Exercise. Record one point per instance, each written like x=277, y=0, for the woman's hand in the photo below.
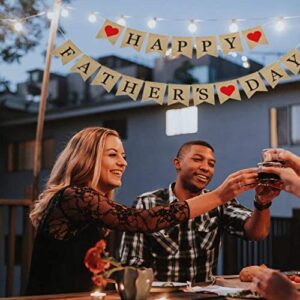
x=289, y=179
x=272, y=285
x=237, y=183
x=289, y=159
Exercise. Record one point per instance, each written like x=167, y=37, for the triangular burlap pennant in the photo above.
x=67, y=52
x=107, y=78
x=129, y=86
x=154, y=91
x=292, y=61
x=228, y=90
x=110, y=31
x=255, y=36
x=206, y=46
x=273, y=74
x=157, y=43
x=182, y=46
x=179, y=93
x=133, y=39
x=231, y=43
x=85, y=66
x=203, y=93
x=252, y=83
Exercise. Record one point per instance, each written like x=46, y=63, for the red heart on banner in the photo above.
x=110, y=31
x=254, y=36
x=227, y=90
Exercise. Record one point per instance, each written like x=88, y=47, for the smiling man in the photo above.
x=189, y=251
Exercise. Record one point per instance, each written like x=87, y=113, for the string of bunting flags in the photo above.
x=177, y=93
x=156, y=43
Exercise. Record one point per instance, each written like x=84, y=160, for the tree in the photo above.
x=14, y=45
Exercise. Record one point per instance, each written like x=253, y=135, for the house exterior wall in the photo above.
x=238, y=130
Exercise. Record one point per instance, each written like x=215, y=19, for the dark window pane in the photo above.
x=283, y=126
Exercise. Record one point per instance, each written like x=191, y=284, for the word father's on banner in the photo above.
x=177, y=93
x=181, y=45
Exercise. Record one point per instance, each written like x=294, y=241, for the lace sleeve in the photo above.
x=85, y=204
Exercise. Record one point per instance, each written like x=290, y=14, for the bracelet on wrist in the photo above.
x=261, y=206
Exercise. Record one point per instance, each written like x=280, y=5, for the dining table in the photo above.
x=113, y=295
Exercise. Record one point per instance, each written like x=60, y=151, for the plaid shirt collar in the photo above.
x=173, y=198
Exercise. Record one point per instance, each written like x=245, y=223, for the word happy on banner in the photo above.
x=135, y=39
x=178, y=93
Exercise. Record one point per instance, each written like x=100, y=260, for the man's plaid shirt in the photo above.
x=185, y=252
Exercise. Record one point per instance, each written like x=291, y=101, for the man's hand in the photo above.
x=265, y=193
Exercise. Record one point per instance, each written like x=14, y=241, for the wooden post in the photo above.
x=43, y=101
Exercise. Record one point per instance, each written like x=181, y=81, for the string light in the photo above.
x=50, y=14
x=18, y=26
x=280, y=24
x=122, y=21
x=233, y=54
x=92, y=17
x=233, y=27
x=244, y=58
x=152, y=23
x=246, y=65
x=64, y=12
x=192, y=26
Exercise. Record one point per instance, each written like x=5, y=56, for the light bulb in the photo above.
x=92, y=18
x=192, y=27
x=244, y=58
x=18, y=26
x=280, y=24
x=152, y=23
x=233, y=27
x=64, y=12
x=246, y=65
x=50, y=14
x=121, y=21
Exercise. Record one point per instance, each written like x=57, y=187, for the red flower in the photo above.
x=98, y=261
x=99, y=280
x=93, y=260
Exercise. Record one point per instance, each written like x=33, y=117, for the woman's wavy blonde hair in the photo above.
x=78, y=164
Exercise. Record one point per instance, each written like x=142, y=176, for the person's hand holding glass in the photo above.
x=288, y=173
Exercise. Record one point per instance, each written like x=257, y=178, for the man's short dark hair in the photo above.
x=186, y=146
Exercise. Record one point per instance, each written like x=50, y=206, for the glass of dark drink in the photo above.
x=267, y=178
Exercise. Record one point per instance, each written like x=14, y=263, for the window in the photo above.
x=20, y=155
x=181, y=121
x=119, y=125
x=295, y=124
x=285, y=125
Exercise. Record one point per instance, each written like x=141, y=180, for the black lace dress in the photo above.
x=73, y=222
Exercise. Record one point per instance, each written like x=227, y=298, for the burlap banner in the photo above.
x=179, y=93
x=182, y=45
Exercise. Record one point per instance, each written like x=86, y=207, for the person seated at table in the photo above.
x=289, y=174
x=77, y=204
x=273, y=285
x=189, y=251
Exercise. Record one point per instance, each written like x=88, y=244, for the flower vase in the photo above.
x=134, y=283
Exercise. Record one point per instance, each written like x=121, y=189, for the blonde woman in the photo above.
x=77, y=206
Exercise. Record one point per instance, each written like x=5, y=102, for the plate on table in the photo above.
x=167, y=286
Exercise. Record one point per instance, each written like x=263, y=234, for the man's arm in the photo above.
x=257, y=226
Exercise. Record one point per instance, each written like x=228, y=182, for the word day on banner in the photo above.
x=89, y=68
x=183, y=45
